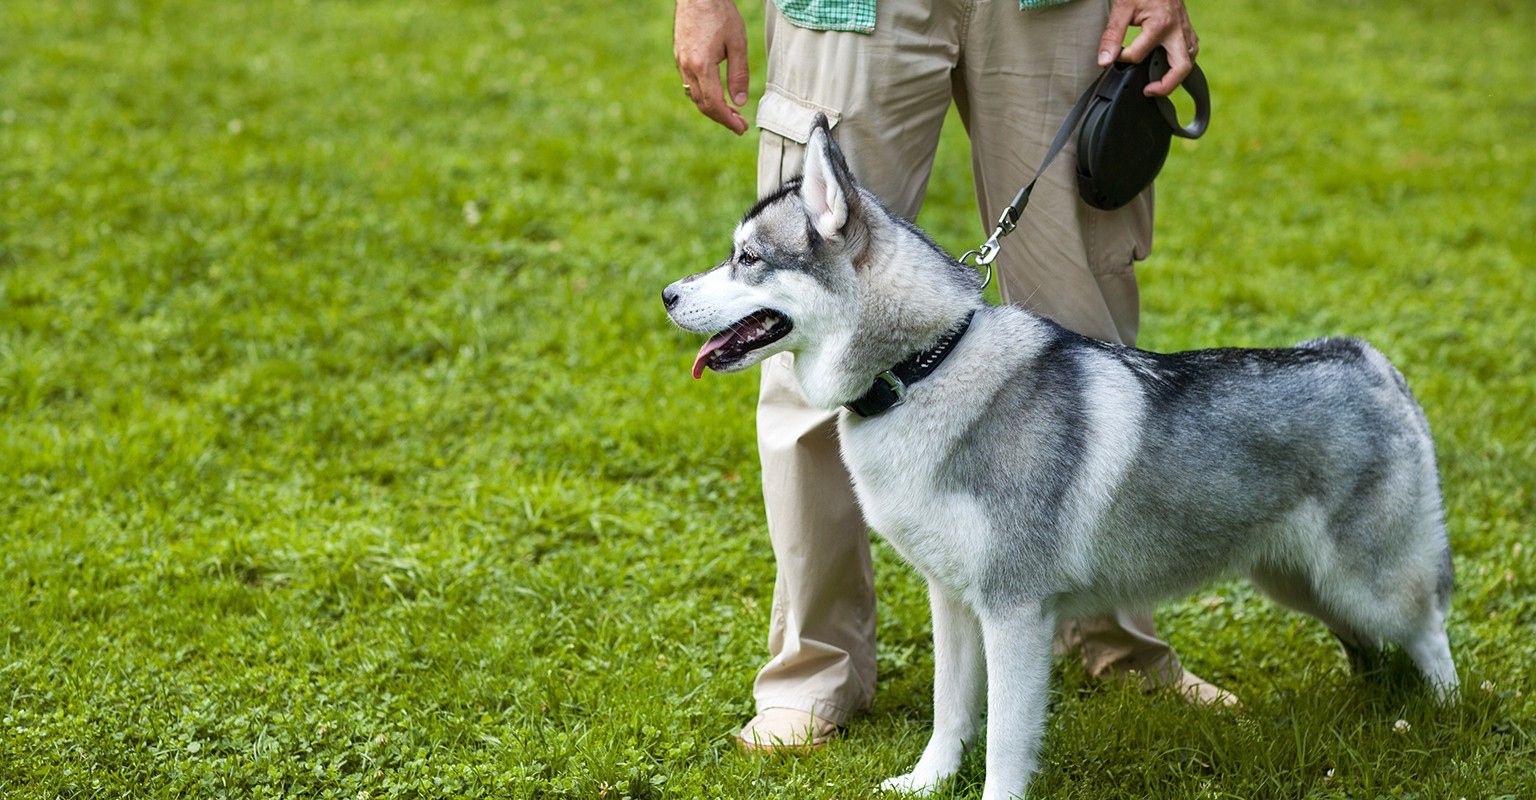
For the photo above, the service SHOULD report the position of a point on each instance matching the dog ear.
(826, 184)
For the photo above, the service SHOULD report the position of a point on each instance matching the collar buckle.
(897, 386)
(889, 388)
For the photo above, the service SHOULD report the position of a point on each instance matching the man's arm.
(705, 33)
(1162, 22)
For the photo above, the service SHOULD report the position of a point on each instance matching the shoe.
(785, 730)
(1202, 692)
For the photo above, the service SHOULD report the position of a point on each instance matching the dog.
(1031, 473)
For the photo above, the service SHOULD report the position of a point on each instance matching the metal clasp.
(897, 387)
(984, 255)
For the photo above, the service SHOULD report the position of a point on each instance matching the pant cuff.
(836, 713)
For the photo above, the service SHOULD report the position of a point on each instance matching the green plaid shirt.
(852, 15)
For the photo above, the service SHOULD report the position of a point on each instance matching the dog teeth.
(761, 329)
(751, 331)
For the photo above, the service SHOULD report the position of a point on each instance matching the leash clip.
(983, 256)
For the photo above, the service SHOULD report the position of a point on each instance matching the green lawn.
(345, 450)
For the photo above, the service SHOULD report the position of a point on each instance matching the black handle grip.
(1194, 83)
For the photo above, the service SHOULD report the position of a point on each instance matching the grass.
(345, 450)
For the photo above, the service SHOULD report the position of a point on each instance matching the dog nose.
(669, 297)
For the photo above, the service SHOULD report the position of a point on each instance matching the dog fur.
(1038, 473)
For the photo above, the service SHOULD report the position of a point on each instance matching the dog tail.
(1384, 366)
(1347, 348)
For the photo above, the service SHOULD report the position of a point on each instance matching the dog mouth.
(727, 348)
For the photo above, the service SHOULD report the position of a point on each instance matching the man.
(884, 74)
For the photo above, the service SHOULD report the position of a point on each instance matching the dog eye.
(747, 259)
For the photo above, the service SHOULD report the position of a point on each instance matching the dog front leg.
(959, 676)
(1018, 652)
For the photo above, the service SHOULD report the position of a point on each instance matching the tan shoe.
(1200, 691)
(785, 730)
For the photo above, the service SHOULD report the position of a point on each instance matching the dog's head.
(791, 274)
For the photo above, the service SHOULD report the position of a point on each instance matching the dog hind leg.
(1400, 591)
(1410, 614)
(1430, 650)
(1365, 657)
(1293, 589)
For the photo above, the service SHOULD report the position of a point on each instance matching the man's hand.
(705, 33)
(1162, 22)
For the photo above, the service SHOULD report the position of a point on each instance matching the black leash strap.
(1007, 222)
(1157, 64)
(987, 253)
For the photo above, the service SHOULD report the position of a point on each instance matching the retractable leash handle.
(1116, 113)
(1193, 83)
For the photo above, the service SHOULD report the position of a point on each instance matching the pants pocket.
(785, 124)
(1117, 239)
(789, 116)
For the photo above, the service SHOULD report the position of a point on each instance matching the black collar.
(890, 387)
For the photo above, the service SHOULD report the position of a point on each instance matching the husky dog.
(1029, 473)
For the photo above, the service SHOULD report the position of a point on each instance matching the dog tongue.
(710, 346)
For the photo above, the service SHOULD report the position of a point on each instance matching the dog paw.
(911, 783)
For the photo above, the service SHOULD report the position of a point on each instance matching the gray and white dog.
(1036, 473)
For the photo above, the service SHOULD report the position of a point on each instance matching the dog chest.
(944, 534)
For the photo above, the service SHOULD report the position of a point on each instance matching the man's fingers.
(1161, 23)
(707, 94)
(736, 66)
(730, 118)
(711, 100)
(1153, 33)
(1179, 65)
(1114, 33)
(705, 83)
(1178, 70)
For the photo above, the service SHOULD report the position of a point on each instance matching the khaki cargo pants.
(1013, 75)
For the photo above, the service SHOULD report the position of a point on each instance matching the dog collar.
(890, 387)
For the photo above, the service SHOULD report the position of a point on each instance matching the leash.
(1107, 180)
(987, 253)
(890, 387)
